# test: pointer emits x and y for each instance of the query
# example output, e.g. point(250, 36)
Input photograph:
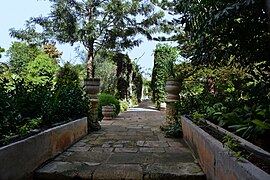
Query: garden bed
point(22, 157)
point(217, 160)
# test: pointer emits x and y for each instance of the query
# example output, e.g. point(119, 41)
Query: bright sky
point(14, 13)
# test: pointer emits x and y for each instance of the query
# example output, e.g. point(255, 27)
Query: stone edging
point(215, 159)
point(20, 159)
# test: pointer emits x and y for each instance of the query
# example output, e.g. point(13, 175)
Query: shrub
point(108, 100)
point(68, 101)
point(24, 107)
point(124, 105)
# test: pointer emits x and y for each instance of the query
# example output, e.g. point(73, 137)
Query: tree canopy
point(218, 33)
point(1, 50)
point(97, 24)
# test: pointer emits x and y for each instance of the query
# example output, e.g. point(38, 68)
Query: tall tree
point(216, 33)
point(97, 24)
point(20, 54)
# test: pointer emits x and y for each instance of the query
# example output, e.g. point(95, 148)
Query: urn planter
point(173, 88)
point(216, 160)
point(92, 87)
point(107, 112)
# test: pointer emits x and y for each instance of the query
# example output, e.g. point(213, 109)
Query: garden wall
point(215, 159)
point(20, 159)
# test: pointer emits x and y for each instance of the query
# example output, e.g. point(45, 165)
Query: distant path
point(130, 146)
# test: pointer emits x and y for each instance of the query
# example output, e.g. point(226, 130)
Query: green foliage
point(68, 102)
point(137, 84)
point(1, 50)
point(108, 100)
point(33, 124)
point(234, 146)
point(20, 54)
point(96, 24)
point(52, 51)
point(106, 71)
point(124, 105)
point(123, 73)
point(19, 105)
point(24, 107)
point(234, 100)
point(215, 33)
point(173, 130)
point(41, 70)
point(66, 75)
point(164, 59)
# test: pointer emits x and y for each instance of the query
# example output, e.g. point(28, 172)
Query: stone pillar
point(92, 90)
point(172, 89)
point(130, 94)
point(171, 112)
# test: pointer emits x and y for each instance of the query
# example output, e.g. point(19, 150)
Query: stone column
point(92, 90)
point(171, 112)
point(172, 89)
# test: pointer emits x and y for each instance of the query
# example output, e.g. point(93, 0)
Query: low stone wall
point(215, 160)
point(18, 160)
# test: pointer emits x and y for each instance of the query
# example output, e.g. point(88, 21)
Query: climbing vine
point(164, 59)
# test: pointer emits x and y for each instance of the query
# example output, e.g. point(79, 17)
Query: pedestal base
point(171, 112)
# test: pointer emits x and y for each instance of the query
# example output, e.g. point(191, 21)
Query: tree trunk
point(90, 44)
point(90, 58)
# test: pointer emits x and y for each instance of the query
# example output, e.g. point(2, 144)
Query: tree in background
point(41, 70)
point(1, 50)
point(52, 51)
point(20, 54)
point(137, 80)
point(164, 59)
point(124, 72)
point(32, 64)
point(96, 24)
point(106, 71)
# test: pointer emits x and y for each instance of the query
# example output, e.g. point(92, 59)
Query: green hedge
point(25, 106)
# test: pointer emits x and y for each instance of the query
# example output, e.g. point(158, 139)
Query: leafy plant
point(24, 107)
point(234, 146)
point(173, 130)
point(124, 105)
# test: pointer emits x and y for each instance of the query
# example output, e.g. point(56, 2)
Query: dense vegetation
point(164, 58)
point(225, 73)
point(227, 47)
point(38, 95)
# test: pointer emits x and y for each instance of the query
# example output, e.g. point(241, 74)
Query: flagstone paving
point(130, 146)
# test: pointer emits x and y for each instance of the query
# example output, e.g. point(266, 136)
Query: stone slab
point(118, 171)
point(174, 171)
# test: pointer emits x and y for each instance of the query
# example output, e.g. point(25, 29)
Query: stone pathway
point(129, 147)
